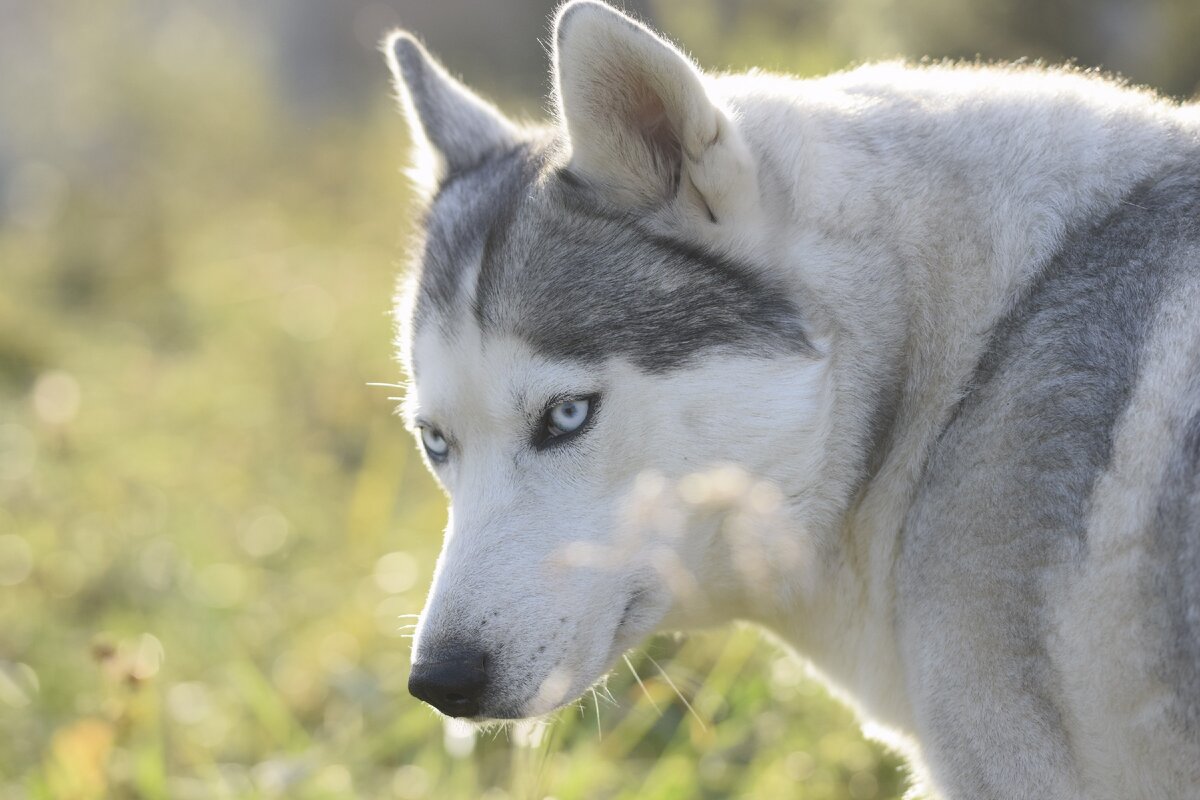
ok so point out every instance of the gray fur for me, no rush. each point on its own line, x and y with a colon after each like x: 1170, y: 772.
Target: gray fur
x: 1176, y: 585
x: 460, y: 128
x: 535, y: 253
x: 466, y: 207
x: 1013, y: 475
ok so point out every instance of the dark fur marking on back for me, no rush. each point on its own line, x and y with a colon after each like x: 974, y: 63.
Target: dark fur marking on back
x: 1072, y: 342
x: 1013, y: 473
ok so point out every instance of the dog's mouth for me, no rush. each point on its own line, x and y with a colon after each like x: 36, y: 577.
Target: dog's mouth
x: 562, y: 685
x: 634, y: 598
x: 633, y: 624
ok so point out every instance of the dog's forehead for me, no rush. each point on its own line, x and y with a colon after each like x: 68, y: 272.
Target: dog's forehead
x: 459, y: 375
x: 467, y: 210
x: 471, y: 379
x: 521, y: 248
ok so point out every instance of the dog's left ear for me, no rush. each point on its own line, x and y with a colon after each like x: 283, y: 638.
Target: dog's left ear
x: 639, y: 118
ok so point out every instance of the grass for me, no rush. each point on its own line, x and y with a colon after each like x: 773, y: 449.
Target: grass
x: 210, y: 525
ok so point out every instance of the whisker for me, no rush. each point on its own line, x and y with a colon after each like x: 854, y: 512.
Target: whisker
x: 547, y: 747
x: 596, y: 702
x: 388, y: 385
x: 638, y: 678
x: 608, y: 695
x: 408, y: 616
x: 678, y: 693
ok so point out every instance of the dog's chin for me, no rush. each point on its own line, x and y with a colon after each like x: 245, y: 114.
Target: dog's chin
x: 563, y: 686
x: 558, y: 690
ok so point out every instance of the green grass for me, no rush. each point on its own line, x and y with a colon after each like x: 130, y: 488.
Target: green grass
x: 210, y: 524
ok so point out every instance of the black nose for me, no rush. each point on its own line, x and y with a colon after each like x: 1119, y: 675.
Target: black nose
x: 453, y: 683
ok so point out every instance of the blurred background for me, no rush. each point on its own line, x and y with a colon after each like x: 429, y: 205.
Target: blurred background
x: 210, y: 525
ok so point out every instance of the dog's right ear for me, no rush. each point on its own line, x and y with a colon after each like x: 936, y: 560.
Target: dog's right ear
x: 453, y: 128
x: 640, y: 121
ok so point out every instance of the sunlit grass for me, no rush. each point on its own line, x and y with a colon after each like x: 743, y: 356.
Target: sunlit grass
x: 211, y: 526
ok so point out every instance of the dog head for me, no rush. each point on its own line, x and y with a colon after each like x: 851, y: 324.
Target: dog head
x: 618, y: 395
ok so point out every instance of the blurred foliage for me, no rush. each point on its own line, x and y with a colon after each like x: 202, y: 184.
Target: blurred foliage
x: 1150, y: 42
x: 210, y: 526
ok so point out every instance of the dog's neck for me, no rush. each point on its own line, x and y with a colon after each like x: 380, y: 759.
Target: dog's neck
x: 909, y: 231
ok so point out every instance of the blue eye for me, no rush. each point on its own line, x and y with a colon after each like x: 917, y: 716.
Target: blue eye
x: 435, y: 444
x: 564, y: 419
x: 567, y: 417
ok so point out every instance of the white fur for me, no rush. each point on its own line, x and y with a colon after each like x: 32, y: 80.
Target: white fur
x: 619, y: 517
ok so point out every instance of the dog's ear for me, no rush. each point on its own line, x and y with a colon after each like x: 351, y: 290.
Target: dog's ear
x: 640, y: 121
x: 453, y: 128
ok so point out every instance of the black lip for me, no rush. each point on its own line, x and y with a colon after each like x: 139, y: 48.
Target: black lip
x: 634, y: 598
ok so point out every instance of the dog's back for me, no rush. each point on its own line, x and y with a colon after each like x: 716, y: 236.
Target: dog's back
x: 1050, y: 589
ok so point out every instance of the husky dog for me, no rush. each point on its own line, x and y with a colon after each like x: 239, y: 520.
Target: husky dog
x: 901, y: 364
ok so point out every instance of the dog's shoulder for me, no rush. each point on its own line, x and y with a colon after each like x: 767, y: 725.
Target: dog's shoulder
x: 1062, y: 365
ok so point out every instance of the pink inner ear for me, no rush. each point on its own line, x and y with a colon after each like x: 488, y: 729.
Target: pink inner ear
x: 624, y: 113
x: 648, y: 117
x: 648, y: 112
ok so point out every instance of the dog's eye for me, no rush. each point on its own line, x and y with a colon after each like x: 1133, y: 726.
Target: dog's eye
x: 435, y: 444
x: 567, y: 416
x: 563, y: 419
